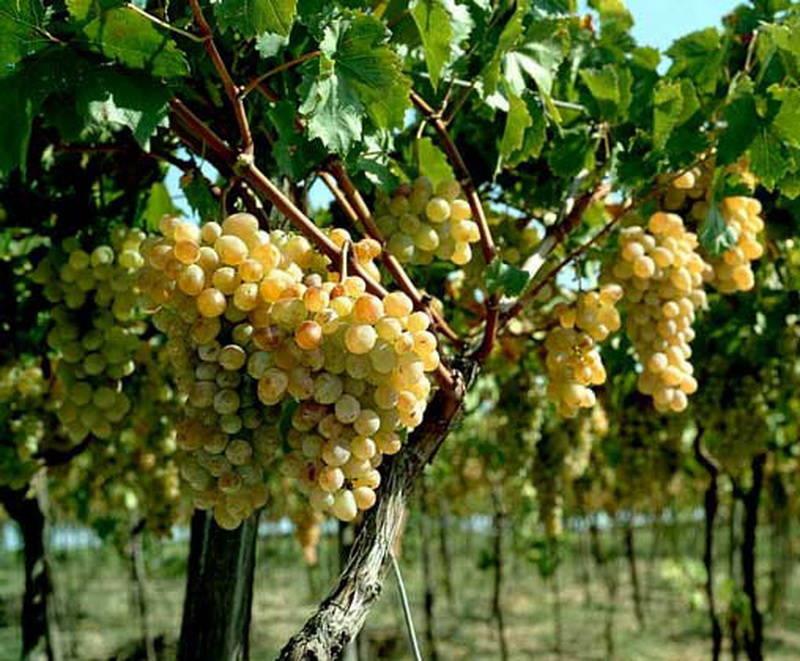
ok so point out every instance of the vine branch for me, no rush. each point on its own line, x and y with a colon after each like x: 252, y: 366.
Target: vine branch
x: 231, y: 89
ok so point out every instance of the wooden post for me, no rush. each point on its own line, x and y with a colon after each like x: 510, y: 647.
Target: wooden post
x: 219, y: 591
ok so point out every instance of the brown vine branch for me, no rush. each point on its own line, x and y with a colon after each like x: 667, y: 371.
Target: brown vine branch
x: 555, y: 237
x: 231, y: 89
x: 256, y: 82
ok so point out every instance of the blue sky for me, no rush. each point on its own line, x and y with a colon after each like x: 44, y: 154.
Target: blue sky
x: 660, y: 22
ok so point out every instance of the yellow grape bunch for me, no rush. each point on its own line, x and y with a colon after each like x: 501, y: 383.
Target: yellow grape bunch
x: 23, y: 393
x: 96, y: 330
x: 421, y: 224
x: 257, y: 328
x: 573, y: 358
x: 662, y: 276
x: 732, y: 269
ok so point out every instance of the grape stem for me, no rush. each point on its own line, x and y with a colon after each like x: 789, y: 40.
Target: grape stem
x: 54, y: 457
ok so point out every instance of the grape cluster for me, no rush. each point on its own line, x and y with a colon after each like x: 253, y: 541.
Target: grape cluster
x: 260, y: 331
x: 732, y: 271
x: 686, y: 193
x: 23, y: 391
x: 662, y: 276
x: 562, y: 455
x: 421, y: 224
x: 573, y: 359
x: 96, y: 330
x: 308, y: 532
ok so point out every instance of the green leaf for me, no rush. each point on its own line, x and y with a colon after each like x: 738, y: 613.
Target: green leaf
x: 535, y: 134
x: 505, y: 279
x: 17, y: 108
x: 334, y: 113
x: 699, y: 56
x: 159, y: 203
x: 294, y: 153
x: 436, y: 31
x: 614, y: 15
x: 270, y: 44
x: 366, y: 64
x: 611, y: 89
x: 433, y: 164
x: 787, y: 122
x: 357, y: 72
x: 570, y: 153
x: 667, y: 109
x: 129, y: 99
x: 79, y: 9
x: 539, y: 60
x: 518, y: 120
x: 254, y: 17
x: 766, y: 158
x: 508, y: 37
x: 124, y: 35
x: 20, y: 21
x: 742, y: 123
x: 716, y: 236
x: 199, y: 196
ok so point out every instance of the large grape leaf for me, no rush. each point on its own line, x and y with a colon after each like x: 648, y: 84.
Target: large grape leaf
x: 357, y: 73
x: 130, y: 100
x: 434, y: 23
x: 124, y: 35
x: 22, y: 31
x: 433, y: 164
x: 699, y: 56
x: 255, y: 17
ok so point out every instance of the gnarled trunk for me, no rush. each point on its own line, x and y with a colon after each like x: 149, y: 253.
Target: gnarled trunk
x: 139, y: 585
x: 219, y: 590
x: 710, y: 506
x: 39, y: 630
x: 498, y: 526
x: 753, y: 634
x: 630, y: 555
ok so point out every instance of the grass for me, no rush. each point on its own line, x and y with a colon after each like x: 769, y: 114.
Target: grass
x: 98, y: 620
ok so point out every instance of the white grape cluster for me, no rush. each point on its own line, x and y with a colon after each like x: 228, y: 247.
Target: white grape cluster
x: 257, y: 324
x: 732, y: 270
x: 662, y: 275
x: 573, y: 359
x: 96, y: 330
x: 23, y: 391
x: 421, y: 224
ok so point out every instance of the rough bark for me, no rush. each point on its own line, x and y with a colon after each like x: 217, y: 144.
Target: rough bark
x: 498, y: 526
x: 630, y: 555
x: 710, y: 506
x: 219, y: 591
x: 342, y: 613
x: 753, y: 634
x: 609, y: 576
x: 39, y: 630
x: 139, y: 584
